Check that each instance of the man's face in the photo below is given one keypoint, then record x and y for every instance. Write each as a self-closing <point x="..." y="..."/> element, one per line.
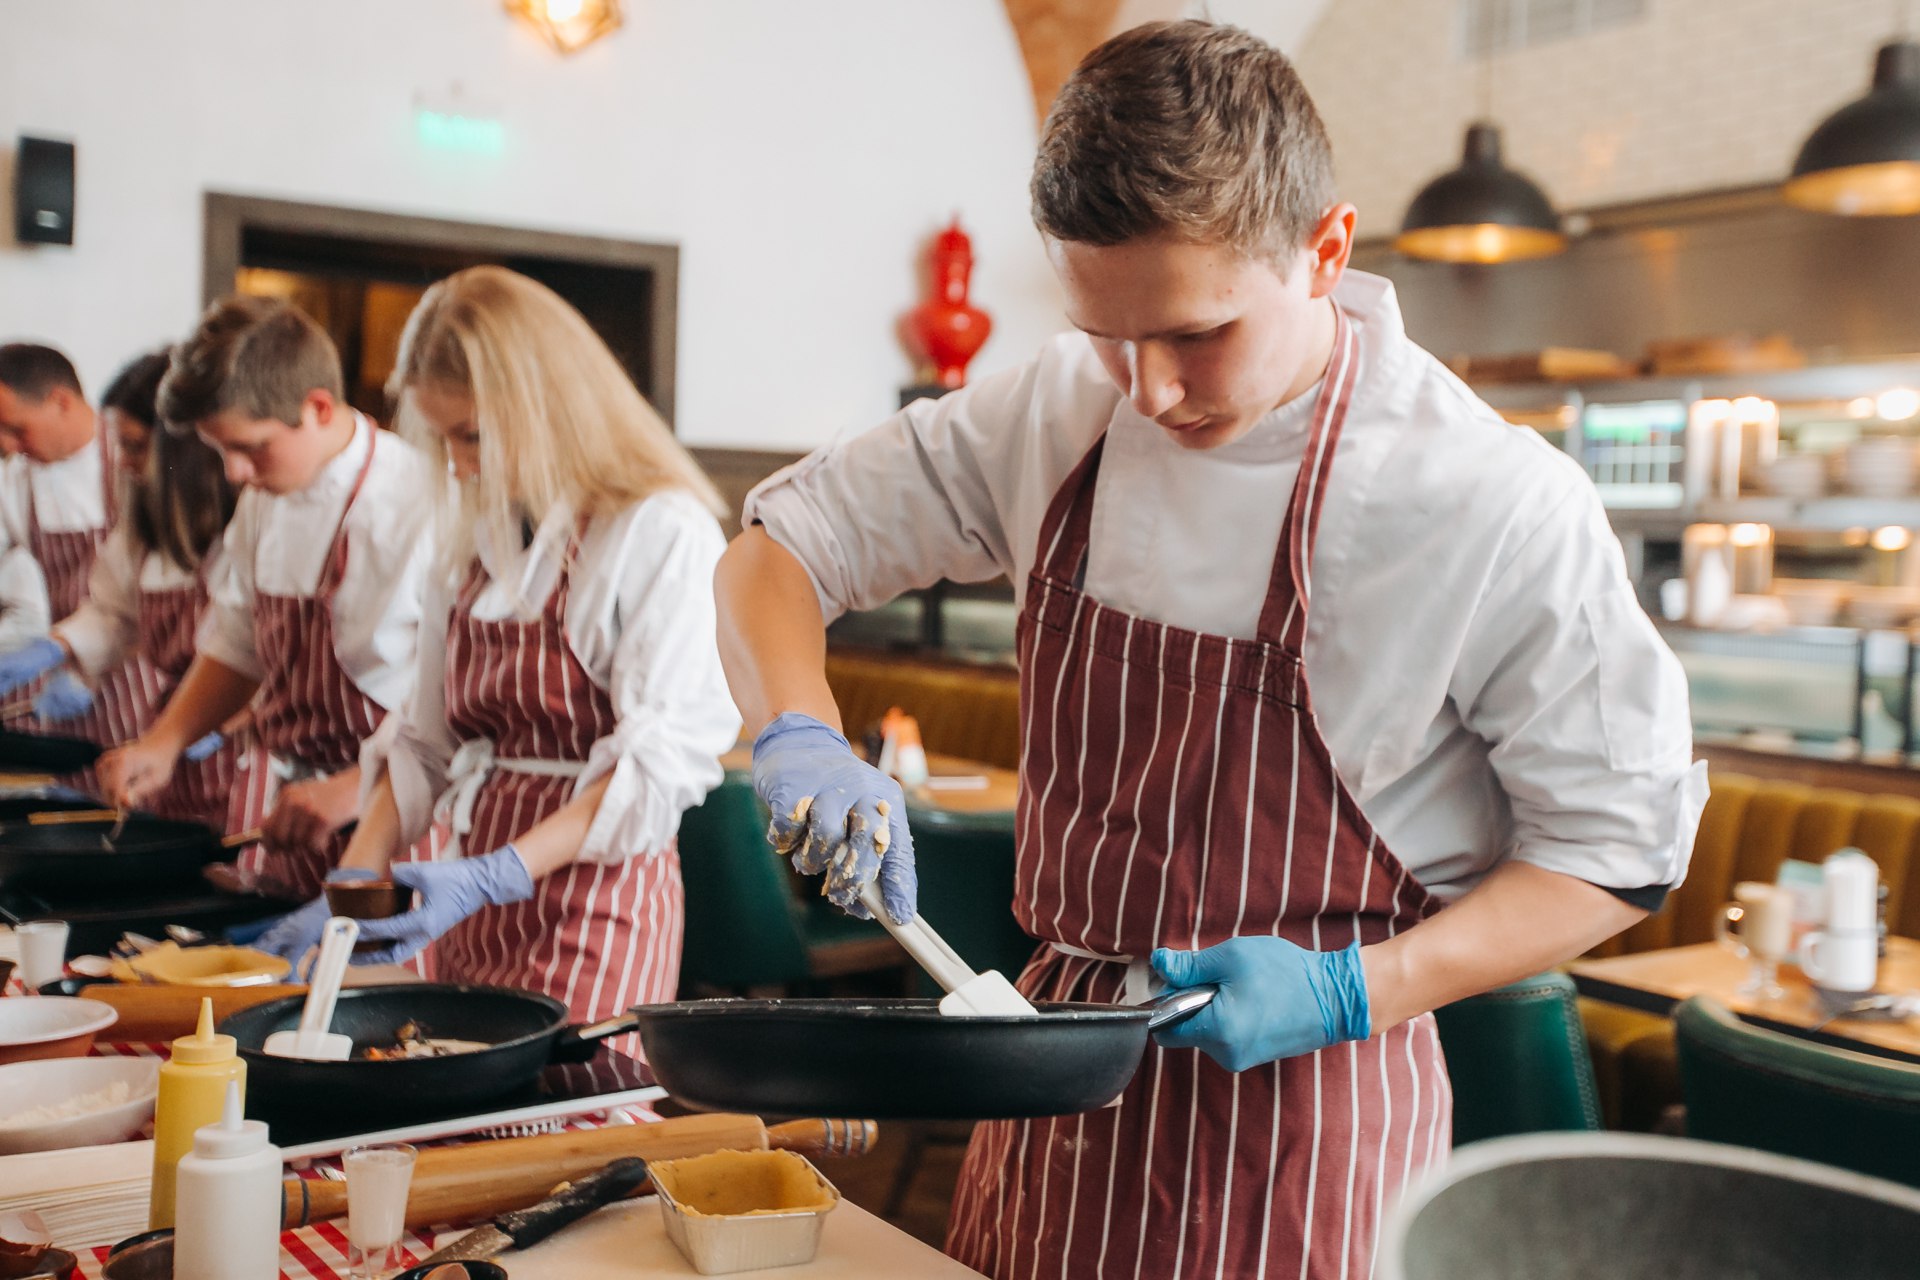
<point x="266" y="453"/>
<point x="36" y="428"/>
<point x="1200" y="338"/>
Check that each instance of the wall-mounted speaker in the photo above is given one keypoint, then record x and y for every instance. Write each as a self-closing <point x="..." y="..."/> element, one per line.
<point x="43" y="192"/>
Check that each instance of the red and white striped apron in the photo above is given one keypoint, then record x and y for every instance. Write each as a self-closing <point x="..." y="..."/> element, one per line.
<point x="124" y="698"/>
<point x="228" y="789"/>
<point x="600" y="937"/>
<point x="1175" y="791"/>
<point x="309" y="715"/>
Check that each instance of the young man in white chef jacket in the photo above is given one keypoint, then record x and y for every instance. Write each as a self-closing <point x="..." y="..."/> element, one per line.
<point x="318" y="605"/>
<point x="1335" y="692"/>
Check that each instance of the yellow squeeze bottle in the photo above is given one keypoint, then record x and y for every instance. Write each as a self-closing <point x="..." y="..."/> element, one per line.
<point x="193" y="1092"/>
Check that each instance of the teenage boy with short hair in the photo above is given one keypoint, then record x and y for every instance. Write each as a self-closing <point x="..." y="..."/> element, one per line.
<point x="1239" y="480"/>
<point x="319" y="603"/>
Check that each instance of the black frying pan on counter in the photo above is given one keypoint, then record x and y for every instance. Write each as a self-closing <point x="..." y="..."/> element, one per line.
<point x="58" y="859"/>
<point x="900" y="1059"/>
<point x="524" y="1032"/>
<point x="45" y="752"/>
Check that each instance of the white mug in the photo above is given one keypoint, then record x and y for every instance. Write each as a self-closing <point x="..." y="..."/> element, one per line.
<point x="43" y="952"/>
<point x="1841" y="961"/>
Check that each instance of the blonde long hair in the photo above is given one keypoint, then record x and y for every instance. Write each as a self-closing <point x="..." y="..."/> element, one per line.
<point x="558" y="418"/>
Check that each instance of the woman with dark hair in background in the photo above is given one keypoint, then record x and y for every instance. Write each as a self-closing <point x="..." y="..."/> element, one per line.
<point x="148" y="587"/>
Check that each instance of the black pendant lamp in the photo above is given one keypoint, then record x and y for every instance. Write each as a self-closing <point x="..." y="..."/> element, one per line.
<point x="1481" y="211"/>
<point x="1864" y="159"/>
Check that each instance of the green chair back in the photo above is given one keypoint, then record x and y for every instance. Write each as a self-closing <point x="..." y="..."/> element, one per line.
<point x="743" y="927"/>
<point x="1519" y="1062"/>
<point x="1757" y="1088"/>
<point x="965" y="865"/>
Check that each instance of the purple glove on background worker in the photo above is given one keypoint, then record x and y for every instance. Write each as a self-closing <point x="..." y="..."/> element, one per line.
<point x="29" y="662"/>
<point x="65" y="697"/>
<point x="835" y="814"/>
<point x="449" y="893"/>
<point x="1275" y="1000"/>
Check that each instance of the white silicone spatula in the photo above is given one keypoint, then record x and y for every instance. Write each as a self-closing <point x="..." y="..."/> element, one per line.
<point x="969" y="994"/>
<point x="313" y="1041"/>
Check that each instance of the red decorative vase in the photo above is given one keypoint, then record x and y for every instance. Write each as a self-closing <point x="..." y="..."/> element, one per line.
<point x="948" y="329"/>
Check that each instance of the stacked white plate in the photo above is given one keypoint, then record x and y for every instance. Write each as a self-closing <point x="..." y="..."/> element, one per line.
<point x="1797" y="475"/>
<point x="1879" y="467"/>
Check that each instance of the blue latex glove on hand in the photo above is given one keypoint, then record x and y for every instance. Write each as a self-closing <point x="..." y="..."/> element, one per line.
<point x="1275" y="1001"/>
<point x="292" y="935"/>
<point x="200" y="748"/>
<point x="835" y="813"/>
<point x="449" y="893"/>
<point x="64" y="698"/>
<point x="28" y="663"/>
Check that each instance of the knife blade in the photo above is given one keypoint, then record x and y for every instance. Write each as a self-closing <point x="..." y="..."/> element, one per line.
<point x="527" y="1227"/>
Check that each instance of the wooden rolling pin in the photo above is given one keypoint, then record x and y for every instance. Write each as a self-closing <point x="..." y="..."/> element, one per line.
<point x="154" y="1014"/>
<point x="483" y="1179"/>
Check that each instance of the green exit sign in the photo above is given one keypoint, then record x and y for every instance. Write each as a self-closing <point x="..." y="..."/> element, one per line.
<point x="445" y="131"/>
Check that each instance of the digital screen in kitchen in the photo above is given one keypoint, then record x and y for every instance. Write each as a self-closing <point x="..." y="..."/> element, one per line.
<point x="1636" y="453"/>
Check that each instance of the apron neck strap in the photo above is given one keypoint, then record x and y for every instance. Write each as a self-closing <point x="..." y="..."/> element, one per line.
<point x="1283" y="619"/>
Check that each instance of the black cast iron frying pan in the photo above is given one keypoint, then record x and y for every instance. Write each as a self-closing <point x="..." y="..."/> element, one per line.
<point x="900" y="1059"/>
<point x="149" y="852"/>
<point x="525" y="1031"/>
<point x="45" y="752"/>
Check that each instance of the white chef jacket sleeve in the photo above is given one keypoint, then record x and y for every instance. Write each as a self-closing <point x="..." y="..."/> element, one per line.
<point x="25" y="611"/>
<point x="105" y="629"/>
<point x="929" y="493"/>
<point x="414" y="745"/>
<point x="668" y="689"/>
<point x="1583" y="705"/>
<point x="226" y="628"/>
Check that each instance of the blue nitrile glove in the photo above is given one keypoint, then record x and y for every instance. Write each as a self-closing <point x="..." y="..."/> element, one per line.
<point x="200" y="748"/>
<point x="1276" y="1000"/>
<point x="292" y="935"/>
<point x="449" y="893"/>
<point x="29" y="662"/>
<point x="830" y="809"/>
<point x="64" y="698"/>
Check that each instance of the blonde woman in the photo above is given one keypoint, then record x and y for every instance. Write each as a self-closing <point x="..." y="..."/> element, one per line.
<point x="576" y="707"/>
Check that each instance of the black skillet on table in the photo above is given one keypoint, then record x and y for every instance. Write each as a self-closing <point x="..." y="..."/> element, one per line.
<point x="524" y="1032"/>
<point x="62" y="858"/>
<point x="900" y="1059"/>
<point x="45" y="752"/>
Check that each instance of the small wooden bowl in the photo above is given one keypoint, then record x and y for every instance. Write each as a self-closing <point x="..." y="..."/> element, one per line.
<point x="368" y="900"/>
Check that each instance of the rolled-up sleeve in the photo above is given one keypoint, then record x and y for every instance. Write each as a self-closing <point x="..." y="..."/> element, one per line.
<point x="415" y="746"/>
<point x="1584" y="708"/>
<point x="943" y="489"/>
<point x="226" y="628"/>
<point x="676" y="717"/>
<point x="105" y="629"/>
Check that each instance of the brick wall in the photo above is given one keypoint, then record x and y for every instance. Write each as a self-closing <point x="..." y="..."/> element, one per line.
<point x="1699" y="95"/>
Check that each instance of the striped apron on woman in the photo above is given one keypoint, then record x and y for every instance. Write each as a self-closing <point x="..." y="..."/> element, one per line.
<point x="598" y="936"/>
<point x="1175" y="791"/>
<point x="309" y="714"/>
<point x="228" y="789"/>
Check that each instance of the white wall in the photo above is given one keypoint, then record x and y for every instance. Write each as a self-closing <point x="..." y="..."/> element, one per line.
<point x="799" y="153"/>
<point x="1702" y="94"/>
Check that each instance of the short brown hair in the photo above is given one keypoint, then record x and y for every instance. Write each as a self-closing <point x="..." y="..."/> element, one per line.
<point x="1192" y="129"/>
<point x="32" y="370"/>
<point x="260" y="356"/>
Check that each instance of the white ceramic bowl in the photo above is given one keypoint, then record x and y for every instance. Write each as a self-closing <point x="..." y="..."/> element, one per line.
<point x="49" y="1083"/>
<point x="50" y="1026"/>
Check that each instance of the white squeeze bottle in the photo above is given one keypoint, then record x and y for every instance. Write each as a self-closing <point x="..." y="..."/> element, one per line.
<point x="227" y="1205"/>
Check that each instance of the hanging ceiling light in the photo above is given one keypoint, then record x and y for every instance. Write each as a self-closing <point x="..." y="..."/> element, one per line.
<point x="1480" y="211"/>
<point x="569" y="25"/>
<point x="1864" y="159"/>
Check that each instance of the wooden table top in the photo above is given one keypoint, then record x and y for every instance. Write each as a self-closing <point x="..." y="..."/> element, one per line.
<point x="956" y="786"/>
<point x="1658" y="980"/>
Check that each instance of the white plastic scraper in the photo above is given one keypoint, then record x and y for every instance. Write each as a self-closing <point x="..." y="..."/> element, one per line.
<point x="969" y="994"/>
<point x="313" y="1041"/>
